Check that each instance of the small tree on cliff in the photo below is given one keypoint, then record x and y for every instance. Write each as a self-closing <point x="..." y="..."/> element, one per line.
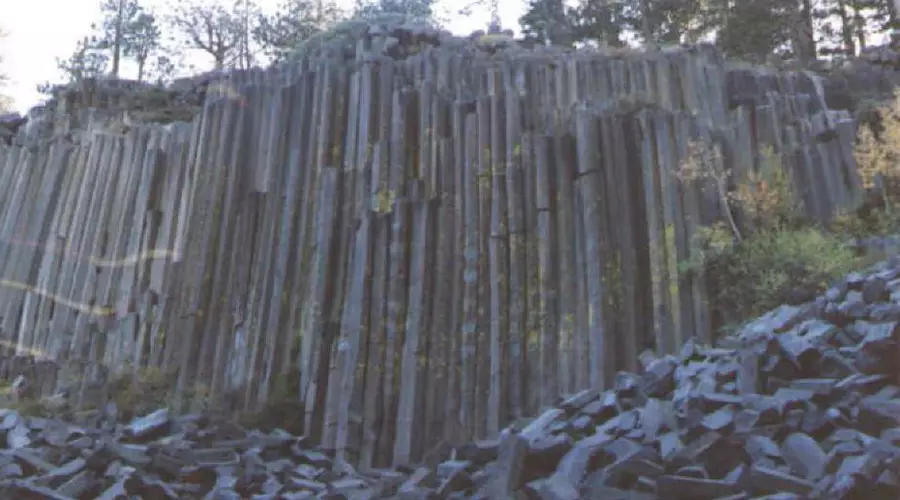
<point x="223" y="33"/>
<point x="128" y="30"/>
<point x="118" y="16"/>
<point x="293" y="22"/>
<point x="87" y="61"/>
<point x="548" y="21"/>
<point x="414" y="8"/>
<point x="143" y="39"/>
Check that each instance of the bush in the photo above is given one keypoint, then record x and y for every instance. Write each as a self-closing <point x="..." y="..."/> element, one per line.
<point x="766" y="198"/>
<point x="775" y="267"/>
<point x="877" y="152"/>
<point x="774" y="256"/>
<point x="763" y="253"/>
<point x="878" y="147"/>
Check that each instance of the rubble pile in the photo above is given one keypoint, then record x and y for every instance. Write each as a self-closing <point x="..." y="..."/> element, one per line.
<point x="163" y="457"/>
<point x="802" y="403"/>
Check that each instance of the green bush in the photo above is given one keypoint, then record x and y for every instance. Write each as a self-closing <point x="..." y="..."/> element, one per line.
<point x="770" y="268"/>
<point x="774" y="257"/>
<point x="878" y="160"/>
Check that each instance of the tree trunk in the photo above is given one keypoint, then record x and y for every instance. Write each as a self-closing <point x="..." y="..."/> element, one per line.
<point x="805" y="42"/>
<point x="117" y="45"/>
<point x="893" y="8"/>
<point x="245" y="37"/>
<point x="647" y="30"/>
<point x="849" y="46"/>
<point x="859" y="24"/>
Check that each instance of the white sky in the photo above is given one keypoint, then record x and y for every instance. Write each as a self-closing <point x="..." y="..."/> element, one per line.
<point x="41" y="30"/>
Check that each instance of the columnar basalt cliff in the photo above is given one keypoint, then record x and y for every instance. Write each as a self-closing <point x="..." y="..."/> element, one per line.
<point x="428" y="236"/>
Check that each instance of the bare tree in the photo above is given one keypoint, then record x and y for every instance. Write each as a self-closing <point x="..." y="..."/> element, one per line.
<point x="220" y="32"/>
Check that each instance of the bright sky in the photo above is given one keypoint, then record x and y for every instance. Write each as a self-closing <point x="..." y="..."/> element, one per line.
<point x="41" y="30"/>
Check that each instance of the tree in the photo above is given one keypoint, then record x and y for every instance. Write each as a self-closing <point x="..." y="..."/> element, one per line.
<point x="163" y="67"/>
<point x="601" y="21"/>
<point x="118" y="15"/>
<point x="142" y="40"/>
<point x="87" y="61"/>
<point x="548" y="22"/>
<point x="414" y="8"/>
<point x="220" y="32"/>
<point x="294" y="21"/>
<point x="753" y="30"/>
<point x="127" y="30"/>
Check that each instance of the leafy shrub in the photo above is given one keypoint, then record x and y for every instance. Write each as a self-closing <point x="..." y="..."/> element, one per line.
<point x="870" y="219"/>
<point x="766" y="196"/>
<point x="774" y="257"/>
<point x="878" y="146"/>
<point x="877" y="152"/>
<point x="137" y="394"/>
<point x="775" y="267"/>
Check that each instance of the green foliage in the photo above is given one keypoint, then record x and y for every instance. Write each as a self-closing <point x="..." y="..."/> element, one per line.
<point x="347" y="30"/>
<point x="866" y="221"/>
<point x="877" y="152"/>
<point x="88" y="60"/>
<point x="779" y="258"/>
<point x="773" y="267"/>
<point x="295" y="21"/>
<point x="766" y="196"/>
<point x="142" y="40"/>
<point x="602" y="22"/>
<point x="878" y="156"/>
<point x="549" y="21"/>
<point x="754" y="30"/>
<point x="414" y="8"/>
<point x="117" y="29"/>
<point x="143" y="392"/>
<point x="283" y="409"/>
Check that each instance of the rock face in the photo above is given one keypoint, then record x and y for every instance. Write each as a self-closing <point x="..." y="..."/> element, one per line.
<point x="361" y="203"/>
<point x="858" y="84"/>
<point x="802" y="403"/>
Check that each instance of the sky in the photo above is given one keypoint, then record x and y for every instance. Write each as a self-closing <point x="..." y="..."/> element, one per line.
<point x="39" y="31"/>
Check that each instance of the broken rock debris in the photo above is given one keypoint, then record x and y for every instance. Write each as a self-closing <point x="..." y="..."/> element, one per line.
<point x="802" y="403"/>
